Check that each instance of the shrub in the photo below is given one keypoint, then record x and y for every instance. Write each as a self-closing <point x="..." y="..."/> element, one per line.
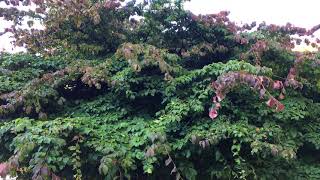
<point x="100" y="95"/>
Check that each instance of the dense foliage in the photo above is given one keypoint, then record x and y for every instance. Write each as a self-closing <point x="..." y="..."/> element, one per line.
<point x="102" y="95"/>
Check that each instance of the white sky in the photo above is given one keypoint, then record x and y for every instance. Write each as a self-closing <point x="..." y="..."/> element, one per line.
<point x="304" y="13"/>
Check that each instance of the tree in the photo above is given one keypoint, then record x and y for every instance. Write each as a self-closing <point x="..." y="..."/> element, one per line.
<point x="100" y="94"/>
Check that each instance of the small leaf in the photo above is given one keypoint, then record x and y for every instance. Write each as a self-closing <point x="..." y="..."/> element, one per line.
<point x="136" y="67"/>
<point x="219" y="96"/>
<point x="207" y="143"/>
<point x="168" y="161"/>
<point x="150" y="152"/>
<point x="202" y="144"/>
<point x="280" y="107"/>
<point x="167" y="77"/>
<point x="213" y="113"/>
<point x="72" y="148"/>
<point x="4" y="169"/>
<point x="214" y="85"/>
<point x="43" y="116"/>
<point x="193" y="139"/>
<point x="103" y="169"/>
<point x="178" y="176"/>
<point x="271" y="102"/>
<point x="44" y="171"/>
<point x="174" y="170"/>
<point x="149" y="170"/>
<point x="214" y="99"/>
<point x="277" y="85"/>
<point x="262" y="92"/>
<point x="218" y="105"/>
<point x="281" y="96"/>
<point x="28" y="109"/>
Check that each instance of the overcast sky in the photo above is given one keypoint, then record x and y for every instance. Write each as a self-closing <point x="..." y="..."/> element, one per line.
<point x="304" y="13"/>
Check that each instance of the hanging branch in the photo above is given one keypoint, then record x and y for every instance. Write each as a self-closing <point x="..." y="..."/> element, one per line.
<point x="226" y="82"/>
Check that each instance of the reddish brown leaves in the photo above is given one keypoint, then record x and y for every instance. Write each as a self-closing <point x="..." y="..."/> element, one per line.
<point x="281" y="96"/>
<point x="280" y="106"/>
<point x="241" y="40"/>
<point x="111" y="4"/>
<point x="151" y="56"/>
<point x="258" y="49"/>
<point x="260" y="46"/>
<point x="227" y="82"/>
<point x="277" y="85"/>
<point x="272" y="102"/>
<point x="213" y="113"/>
<point x="4" y="169"/>
<point x="293" y="73"/>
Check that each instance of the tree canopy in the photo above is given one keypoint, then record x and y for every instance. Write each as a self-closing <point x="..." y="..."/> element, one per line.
<point x="148" y="90"/>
